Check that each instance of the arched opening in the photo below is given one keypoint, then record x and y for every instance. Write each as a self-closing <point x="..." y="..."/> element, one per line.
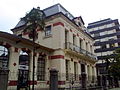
<point x="4" y="67"/>
<point x="23" y="75"/>
<point x="4" y="58"/>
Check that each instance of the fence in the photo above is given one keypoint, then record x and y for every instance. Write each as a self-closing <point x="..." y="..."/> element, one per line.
<point x="3" y="79"/>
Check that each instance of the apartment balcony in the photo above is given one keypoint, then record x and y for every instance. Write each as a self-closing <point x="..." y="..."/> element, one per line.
<point x="79" y="50"/>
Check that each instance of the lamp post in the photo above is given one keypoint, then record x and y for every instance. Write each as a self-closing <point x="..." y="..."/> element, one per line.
<point x="33" y="79"/>
<point x="34" y="19"/>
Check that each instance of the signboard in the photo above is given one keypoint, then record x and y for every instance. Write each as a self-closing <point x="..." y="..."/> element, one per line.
<point x="3" y="58"/>
<point x="23" y="67"/>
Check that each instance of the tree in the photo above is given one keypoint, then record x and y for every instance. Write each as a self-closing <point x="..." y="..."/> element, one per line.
<point x="34" y="19"/>
<point x="114" y="68"/>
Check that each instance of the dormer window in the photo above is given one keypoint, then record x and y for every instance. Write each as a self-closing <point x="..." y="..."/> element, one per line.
<point x="20" y="35"/>
<point x="79" y="23"/>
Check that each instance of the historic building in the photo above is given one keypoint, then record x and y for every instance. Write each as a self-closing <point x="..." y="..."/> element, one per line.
<point x="106" y="35"/>
<point x="63" y="45"/>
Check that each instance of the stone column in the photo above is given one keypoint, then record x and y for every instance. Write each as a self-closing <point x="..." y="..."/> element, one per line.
<point x="57" y="60"/>
<point x="95" y="73"/>
<point x="13" y="67"/>
<point x="88" y="69"/>
<point x="91" y="73"/>
<point x="36" y="63"/>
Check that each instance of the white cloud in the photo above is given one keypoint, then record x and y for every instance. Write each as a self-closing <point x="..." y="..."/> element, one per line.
<point x="91" y="10"/>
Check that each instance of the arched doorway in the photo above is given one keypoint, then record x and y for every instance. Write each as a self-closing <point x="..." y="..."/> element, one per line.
<point x="23" y="74"/>
<point x="4" y="60"/>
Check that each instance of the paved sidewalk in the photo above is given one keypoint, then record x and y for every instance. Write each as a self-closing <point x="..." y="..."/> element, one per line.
<point x="115" y="89"/>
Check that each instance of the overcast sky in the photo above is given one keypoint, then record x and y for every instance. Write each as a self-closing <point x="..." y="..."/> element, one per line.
<point x="91" y="10"/>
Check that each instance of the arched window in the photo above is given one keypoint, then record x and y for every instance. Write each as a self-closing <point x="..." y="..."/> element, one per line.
<point x="4" y="56"/>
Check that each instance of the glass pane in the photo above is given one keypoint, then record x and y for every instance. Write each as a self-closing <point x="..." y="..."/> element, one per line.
<point x="3" y="57"/>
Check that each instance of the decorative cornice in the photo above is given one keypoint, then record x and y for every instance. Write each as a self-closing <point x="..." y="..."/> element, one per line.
<point x="58" y="23"/>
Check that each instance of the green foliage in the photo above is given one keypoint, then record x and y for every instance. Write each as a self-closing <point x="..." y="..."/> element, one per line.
<point x="114" y="68"/>
<point x="35" y="18"/>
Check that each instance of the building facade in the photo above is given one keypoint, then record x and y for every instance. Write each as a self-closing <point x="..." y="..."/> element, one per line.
<point x="63" y="45"/>
<point x="106" y="35"/>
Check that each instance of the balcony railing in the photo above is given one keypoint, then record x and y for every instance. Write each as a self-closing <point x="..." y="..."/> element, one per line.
<point x="75" y="48"/>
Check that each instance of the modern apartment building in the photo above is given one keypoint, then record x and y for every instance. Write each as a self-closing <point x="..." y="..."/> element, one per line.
<point x="63" y="45"/>
<point x="106" y="34"/>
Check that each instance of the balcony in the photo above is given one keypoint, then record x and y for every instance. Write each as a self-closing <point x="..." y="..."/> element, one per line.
<point x="77" y="49"/>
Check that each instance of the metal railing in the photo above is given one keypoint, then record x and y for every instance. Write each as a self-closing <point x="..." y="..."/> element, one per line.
<point x="75" y="48"/>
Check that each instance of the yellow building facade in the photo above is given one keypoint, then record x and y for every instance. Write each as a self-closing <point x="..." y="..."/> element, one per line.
<point x="63" y="45"/>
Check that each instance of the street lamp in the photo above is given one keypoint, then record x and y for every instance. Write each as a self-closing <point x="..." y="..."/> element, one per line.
<point x="34" y="19"/>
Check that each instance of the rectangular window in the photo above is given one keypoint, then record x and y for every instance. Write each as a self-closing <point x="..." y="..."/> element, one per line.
<point x="66" y="38"/>
<point x="101" y="27"/>
<point x="111" y="32"/>
<point x="80" y="43"/>
<point x="90" y="30"/>
<point x="111" y="39"/>
<point x="109" y="25"/>
<point x="103" y="46"/>
<point x="91" y="49"/>
<point x="75" y="70"/>
<point x="112" y="45"/>
<point x="86" y="46"/>
<point x="67" y="70"/>
<point x="82" y="68"/>
<point x="96" y="34"/>
<point x="48" y="31"/>
<point x="79" y="24"/>
<point x="104" y="39"/>
<point x="74" y="39"/>
<point x="102" y="33"/>
<point x="41" y="68"/>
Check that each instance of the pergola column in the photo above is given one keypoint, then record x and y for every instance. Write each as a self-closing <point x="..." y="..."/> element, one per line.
<point x="13" y="67"/>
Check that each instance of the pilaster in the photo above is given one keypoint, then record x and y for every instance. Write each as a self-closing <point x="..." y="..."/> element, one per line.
<point x="13" y="67"/>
